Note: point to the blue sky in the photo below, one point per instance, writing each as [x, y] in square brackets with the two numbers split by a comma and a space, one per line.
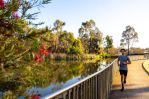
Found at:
[111, 16]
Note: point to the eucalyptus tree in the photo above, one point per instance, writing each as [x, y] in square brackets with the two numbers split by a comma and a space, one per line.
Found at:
[108, 43]
[66, 40]
[60, 35]
[90, 36]
[58, 26]
[129, 37]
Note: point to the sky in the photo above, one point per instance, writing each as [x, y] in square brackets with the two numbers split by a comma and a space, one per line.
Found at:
[111, 16]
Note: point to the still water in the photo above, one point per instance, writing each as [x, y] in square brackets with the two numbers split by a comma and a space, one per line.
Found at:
[24, 81]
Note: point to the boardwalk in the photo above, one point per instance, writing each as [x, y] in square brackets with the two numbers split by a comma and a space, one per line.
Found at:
[137, 86]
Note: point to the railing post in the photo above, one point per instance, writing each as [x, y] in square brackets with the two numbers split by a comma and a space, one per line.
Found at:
[74, 93]
[96, 86]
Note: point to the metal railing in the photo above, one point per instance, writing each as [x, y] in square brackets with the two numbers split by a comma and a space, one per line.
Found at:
[95, 86]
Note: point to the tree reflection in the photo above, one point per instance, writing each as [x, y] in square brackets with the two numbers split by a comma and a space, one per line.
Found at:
[23, 81]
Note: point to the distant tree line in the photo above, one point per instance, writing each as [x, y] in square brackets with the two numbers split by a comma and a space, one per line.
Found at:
[90, 39]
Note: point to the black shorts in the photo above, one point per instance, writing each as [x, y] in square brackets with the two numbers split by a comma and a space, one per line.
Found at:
[123, 72]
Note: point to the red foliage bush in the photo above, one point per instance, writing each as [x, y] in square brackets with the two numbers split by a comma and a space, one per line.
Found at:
[43, 51]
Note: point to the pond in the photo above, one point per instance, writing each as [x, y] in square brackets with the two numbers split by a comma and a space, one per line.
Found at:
[24, 81]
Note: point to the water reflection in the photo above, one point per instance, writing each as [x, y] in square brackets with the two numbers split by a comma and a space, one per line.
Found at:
[22, 82]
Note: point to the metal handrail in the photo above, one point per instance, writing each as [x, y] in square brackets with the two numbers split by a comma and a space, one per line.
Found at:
[91, 81]
[75, 84]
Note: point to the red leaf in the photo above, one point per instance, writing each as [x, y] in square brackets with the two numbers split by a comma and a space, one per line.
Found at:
[35, 97]
[38, 58]
[41, 51]
[1, 3]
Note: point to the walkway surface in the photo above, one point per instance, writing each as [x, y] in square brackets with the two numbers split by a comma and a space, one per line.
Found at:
[137, 86]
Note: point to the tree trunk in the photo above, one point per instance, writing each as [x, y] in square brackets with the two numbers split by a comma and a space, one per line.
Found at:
[128, 47]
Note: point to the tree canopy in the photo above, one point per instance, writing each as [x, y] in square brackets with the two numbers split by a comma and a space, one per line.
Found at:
[129, 36]
[108, 42]
[15, 32]
[90, 36]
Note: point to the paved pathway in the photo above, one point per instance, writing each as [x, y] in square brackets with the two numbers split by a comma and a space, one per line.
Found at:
[137, 86]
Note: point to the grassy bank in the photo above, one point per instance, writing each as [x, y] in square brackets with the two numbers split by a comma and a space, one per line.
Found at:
[146, 66]
[61, 56]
